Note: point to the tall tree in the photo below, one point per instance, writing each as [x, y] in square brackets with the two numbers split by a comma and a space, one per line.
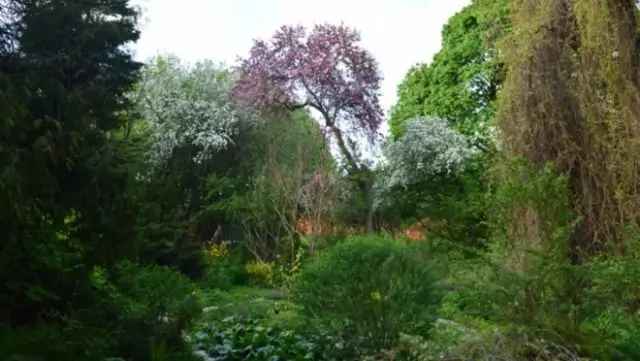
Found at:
[63, 72]
[432, 174]
[326, 70]
[461, 83]
[190, 126]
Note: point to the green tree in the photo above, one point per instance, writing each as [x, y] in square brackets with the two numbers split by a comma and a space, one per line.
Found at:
[185, 133]
[432, 173]
[461, 83]
[459, 88]
[63, 73]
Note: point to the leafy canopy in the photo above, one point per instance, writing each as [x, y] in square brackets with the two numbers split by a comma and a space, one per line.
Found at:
[325, 69]
[427, 149]
[461, 83]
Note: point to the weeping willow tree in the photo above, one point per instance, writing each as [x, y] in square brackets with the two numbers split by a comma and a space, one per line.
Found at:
[572, 98]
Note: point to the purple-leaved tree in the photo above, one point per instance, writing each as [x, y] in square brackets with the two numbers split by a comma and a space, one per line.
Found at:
[327, 70]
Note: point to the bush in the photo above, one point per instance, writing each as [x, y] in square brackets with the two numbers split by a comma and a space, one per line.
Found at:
[134, 312]
[143, 308]
[369, 289]
[260, 271]
[222, 274]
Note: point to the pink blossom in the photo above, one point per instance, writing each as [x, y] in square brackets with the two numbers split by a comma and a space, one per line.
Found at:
[325, 69]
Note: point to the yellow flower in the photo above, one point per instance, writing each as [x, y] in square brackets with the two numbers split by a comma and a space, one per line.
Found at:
[216, 251]
[376, 296]
[258, 270]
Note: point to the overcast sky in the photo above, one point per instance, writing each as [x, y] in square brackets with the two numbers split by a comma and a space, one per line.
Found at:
[399, 33]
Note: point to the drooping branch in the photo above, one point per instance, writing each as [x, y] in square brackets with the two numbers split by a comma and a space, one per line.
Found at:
[571, 98]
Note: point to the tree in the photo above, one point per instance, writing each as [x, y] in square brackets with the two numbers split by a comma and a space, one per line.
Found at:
[461, 83]
[188, 126]
[428, 148]
[325, 70]
[63, 72]
[459, 89]
[431, 173]
[186, 106]
[580, 113]
[293, 177]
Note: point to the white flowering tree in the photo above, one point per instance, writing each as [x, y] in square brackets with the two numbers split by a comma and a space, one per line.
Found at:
[183, 136]
[428, 148]
[427, 173]
[186, 105]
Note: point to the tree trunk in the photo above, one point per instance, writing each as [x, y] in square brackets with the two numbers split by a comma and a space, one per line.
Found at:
[366, 186]
[368, 212]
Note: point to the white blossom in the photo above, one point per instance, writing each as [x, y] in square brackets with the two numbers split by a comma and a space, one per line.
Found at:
[428, 148]
[186, 106]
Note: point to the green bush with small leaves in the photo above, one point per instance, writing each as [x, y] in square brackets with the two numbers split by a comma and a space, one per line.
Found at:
[369, 290]
[223, 274]
[149, 306]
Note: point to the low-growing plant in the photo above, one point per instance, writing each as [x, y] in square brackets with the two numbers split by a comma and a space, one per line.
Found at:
[369, 290]
[285, 273]
[144, 307]
[216, 250]
[235, 339]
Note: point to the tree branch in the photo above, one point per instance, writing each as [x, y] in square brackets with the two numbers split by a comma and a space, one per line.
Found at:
[330, 123]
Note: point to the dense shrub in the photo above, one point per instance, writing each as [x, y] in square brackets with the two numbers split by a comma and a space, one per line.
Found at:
[148, 307]
[223, 274]
[368, 289]
[136, 313]
[260, 271]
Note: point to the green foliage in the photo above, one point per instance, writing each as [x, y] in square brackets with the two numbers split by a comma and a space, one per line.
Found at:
[98, 169]
[286, 271]
[223, 274]
[274, 183]
[530, 286]
[461, 83]
[271, 306]
[460, 87]
[149, 306]
[453, 206]
[136, 312]
[62, 101]
[235, 339]
[368, 290]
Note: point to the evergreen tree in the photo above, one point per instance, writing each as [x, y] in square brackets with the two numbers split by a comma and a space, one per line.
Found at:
[63, 73]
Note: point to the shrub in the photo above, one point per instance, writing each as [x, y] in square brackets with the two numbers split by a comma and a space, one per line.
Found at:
[285, 272]
[368, 289]
[259, 271]
[223, 274]
[134, 312]
[143, 308]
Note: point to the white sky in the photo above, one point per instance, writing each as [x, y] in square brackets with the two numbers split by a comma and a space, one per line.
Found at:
[399, 33]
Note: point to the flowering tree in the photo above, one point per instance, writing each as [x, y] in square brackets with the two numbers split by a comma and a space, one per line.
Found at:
[429, 174]
[186, 106]
[427, 148]
[326, 70]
